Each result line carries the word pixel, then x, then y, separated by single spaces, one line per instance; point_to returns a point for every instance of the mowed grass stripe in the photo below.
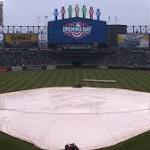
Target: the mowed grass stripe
pixel 43 79
pixel 105 76
pixel 79 75
pixel 86 75
pixel 125 75
pixel 139 80
pixel 113 76
pixel 128 79
pixel 47 77
pixel 136 80
pixel 58 78
pixel 63 77
pixel 76 76
pixel 119 78
pixel 5 76
pixel 96 76
pixel 139 84
pixel 11 83
pixel 32 80
pixel 52 80
pixel 17 83
pixel 70 78
pixel 134 83
pixel 128 84
pixel 9 77
pixel 23 82
pixel 144 77
pixel 38 80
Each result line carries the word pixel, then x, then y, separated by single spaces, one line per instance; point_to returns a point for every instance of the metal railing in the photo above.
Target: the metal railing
pixel 40 30
pixel 138 29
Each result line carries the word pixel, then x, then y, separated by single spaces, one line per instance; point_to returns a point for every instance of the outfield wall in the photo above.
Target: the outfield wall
pixel 15 69
pixel 50 67
pixel 4 69
pixel 70 66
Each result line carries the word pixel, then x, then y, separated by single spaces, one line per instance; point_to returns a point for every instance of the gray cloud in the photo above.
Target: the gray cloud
pixel 27 12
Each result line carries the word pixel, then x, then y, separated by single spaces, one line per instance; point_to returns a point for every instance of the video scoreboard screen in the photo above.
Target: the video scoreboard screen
pixel 77 31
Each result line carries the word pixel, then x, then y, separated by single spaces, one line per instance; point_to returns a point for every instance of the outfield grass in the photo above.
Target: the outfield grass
pixel 127 79
pixel 141 142
pixel 9 143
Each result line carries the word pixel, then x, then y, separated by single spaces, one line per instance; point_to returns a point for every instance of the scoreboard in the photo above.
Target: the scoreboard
pixel 77 31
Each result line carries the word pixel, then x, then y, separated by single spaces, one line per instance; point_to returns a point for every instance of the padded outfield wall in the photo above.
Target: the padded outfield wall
pixel 77 31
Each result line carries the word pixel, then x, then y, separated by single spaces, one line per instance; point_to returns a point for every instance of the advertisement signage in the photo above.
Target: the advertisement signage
pixel 133 40
pixel 4 69
pixel 21 40
pixel 16 68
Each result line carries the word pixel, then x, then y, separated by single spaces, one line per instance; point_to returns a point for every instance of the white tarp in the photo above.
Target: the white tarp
pixel 90 117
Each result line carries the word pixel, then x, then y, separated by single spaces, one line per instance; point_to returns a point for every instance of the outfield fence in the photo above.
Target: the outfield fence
pixel 61 66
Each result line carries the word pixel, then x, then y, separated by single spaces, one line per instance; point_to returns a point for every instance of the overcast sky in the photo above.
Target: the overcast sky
pixel 27 12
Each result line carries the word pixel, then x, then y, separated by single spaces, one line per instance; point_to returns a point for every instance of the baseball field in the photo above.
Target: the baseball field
pixel 127 79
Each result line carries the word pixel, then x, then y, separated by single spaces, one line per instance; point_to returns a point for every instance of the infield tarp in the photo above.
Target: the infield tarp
pixel 90 117
pixel 77 31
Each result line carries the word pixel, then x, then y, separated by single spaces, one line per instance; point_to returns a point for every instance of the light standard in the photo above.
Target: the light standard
pixel 39 20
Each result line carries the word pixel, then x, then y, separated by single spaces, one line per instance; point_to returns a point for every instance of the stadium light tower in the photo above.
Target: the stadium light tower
pixel 116 19
pixel 1 13
pixel 39 20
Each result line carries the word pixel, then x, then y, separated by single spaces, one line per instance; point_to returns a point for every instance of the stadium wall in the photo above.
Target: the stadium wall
pixel 4 69
pixel 15 69
pixel 50 67
pixel 65 66
pixel 112 33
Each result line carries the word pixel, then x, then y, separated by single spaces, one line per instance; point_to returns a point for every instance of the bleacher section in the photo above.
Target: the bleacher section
pixel 79 58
